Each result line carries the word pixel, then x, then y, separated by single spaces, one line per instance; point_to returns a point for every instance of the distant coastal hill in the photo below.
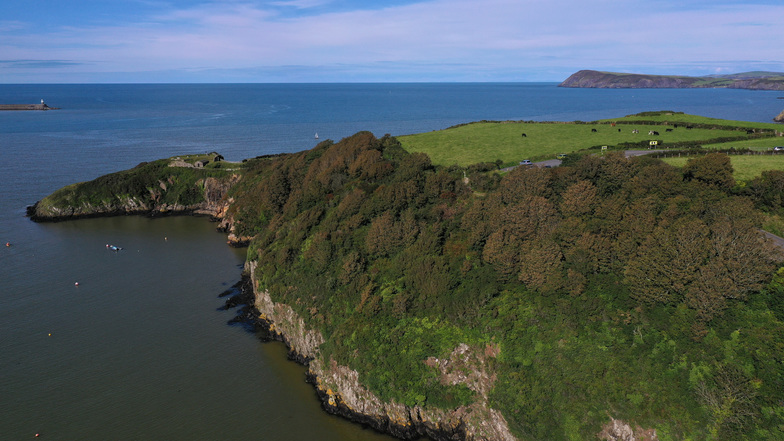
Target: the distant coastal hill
pixel 615 80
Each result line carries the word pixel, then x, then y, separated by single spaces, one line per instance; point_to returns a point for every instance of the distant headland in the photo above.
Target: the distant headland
pixel 615 80
pixel 42 106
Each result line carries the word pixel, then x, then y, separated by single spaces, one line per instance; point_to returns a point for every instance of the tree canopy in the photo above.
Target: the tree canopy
pixel 613 286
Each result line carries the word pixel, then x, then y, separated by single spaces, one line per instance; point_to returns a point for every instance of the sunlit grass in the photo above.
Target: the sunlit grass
pixel 481 142
pixel 491 141
pixel 746 167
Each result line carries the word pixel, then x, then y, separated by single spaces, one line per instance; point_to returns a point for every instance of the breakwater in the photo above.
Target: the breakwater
pixel 41 106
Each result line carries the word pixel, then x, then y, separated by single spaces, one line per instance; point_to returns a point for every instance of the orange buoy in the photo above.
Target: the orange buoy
pixel 8 244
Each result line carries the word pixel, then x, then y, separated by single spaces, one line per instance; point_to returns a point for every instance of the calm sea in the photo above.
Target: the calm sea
pixel 139 350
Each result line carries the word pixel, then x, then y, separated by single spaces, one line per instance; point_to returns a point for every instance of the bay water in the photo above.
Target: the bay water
pixel 139 349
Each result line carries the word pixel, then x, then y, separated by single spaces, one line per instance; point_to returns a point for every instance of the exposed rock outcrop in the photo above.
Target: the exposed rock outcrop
pixel 617 430
pixel 780 117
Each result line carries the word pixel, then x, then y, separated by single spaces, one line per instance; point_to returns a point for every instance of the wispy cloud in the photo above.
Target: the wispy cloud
pixel 456 39
pixel 301 4
pixel 39 64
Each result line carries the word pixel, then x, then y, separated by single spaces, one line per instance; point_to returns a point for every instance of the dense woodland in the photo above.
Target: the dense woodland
pixel 608 287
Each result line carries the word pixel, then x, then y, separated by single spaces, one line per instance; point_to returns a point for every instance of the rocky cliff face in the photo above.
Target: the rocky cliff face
pixel 757 84
pixel 343 394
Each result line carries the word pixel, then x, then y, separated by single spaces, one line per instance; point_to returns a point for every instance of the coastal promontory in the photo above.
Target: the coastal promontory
pixel 616 80
pixel 609 298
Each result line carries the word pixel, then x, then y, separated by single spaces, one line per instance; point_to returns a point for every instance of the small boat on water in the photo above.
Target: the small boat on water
pixel 316 135
pixel 113 247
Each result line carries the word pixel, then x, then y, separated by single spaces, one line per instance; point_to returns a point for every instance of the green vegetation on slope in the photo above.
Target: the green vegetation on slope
pixel 153 183
pixel 613 287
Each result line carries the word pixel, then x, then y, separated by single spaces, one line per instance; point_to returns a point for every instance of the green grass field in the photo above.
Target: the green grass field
pixel 746 167
pixel 762 144
pixel 490 141
pixel 685 118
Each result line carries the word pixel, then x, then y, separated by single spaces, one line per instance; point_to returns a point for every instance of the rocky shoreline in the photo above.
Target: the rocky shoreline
pixel 162 211
pixel 340 392
pixel 412 424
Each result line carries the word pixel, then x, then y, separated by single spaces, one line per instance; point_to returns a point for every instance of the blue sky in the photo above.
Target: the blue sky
pixel 119 41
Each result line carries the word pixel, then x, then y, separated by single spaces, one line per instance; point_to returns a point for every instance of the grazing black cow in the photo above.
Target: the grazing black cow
pixel 619 130
pixel 749 132
pixel 656 133
pixel 524 135
pixel 593 130
pixel 668 130
pixel 675 126
pixel 689 127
